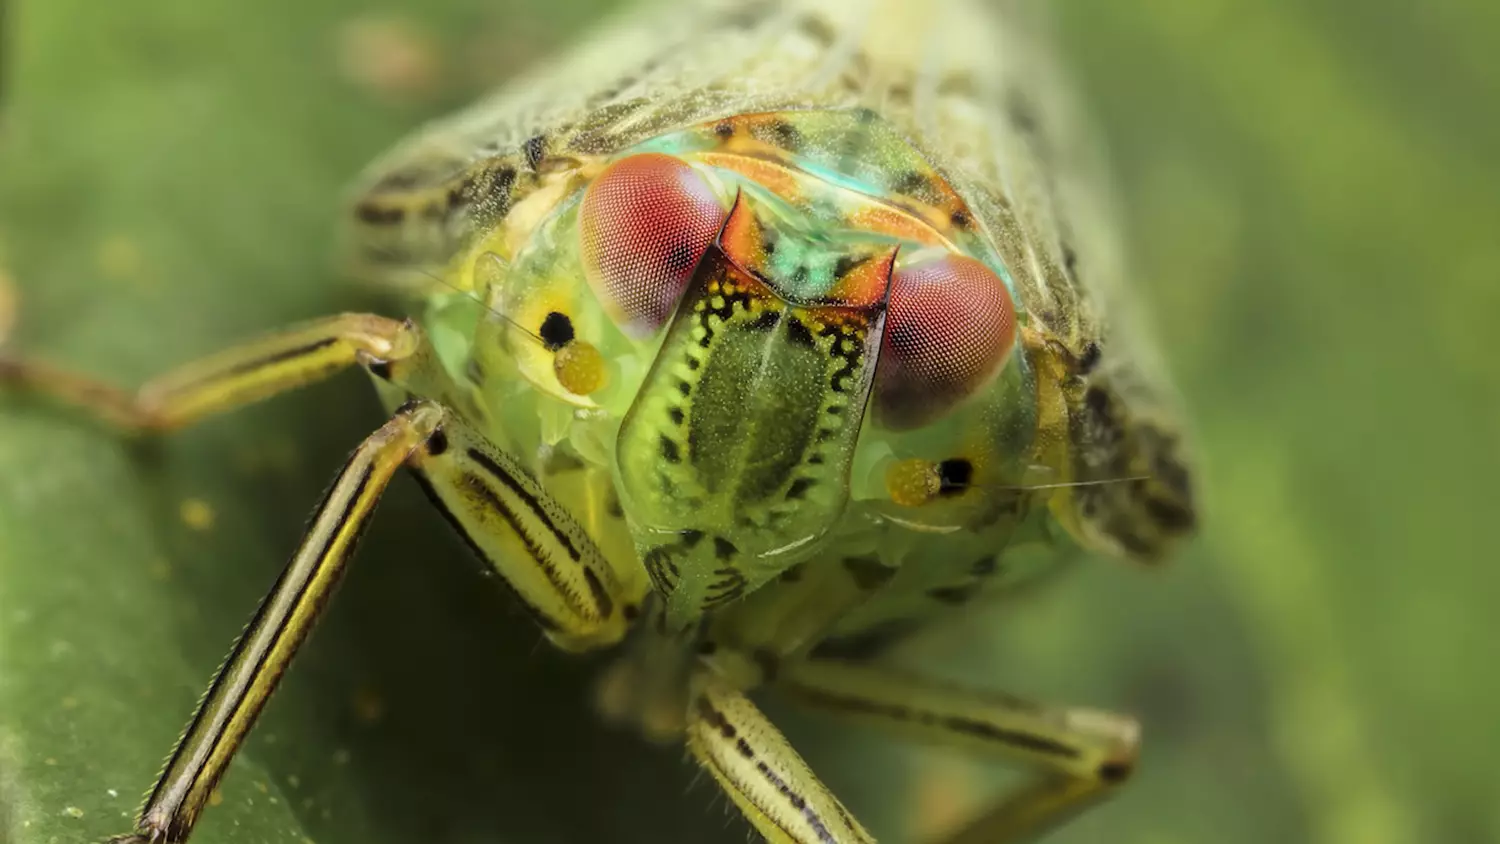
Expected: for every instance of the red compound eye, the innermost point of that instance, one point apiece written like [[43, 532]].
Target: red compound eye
[[949, 327], [645, 222]]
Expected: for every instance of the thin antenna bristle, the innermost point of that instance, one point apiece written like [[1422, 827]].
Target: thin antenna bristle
[[1070, 484], [473, 296]]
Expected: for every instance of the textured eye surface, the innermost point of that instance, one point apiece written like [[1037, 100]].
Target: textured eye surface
[[645, 222], [948, 329]]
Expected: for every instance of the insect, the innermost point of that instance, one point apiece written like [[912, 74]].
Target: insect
[[746, 338]]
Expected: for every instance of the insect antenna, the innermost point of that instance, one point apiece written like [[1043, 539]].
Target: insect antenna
[[1064, 484], [473, 296], [470, 294]]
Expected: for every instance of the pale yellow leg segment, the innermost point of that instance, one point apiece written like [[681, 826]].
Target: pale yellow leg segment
[[279, 627], [530, 539], [780, 796], [224, 381], [1084, 753]]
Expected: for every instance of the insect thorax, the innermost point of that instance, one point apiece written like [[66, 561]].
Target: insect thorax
[[734, 438]]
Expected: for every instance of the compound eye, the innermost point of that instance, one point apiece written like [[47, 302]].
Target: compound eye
[[645, 223], [949, 327]]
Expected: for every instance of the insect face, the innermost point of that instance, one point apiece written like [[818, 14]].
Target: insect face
[[749, 311]]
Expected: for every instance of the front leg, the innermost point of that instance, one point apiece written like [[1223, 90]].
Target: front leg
[[287, 615]]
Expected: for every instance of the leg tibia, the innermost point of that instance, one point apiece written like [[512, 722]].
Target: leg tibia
[[284, 619]]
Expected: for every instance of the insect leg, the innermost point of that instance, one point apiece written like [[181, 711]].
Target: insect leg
[[282, 623], [753, 763], [1084, 753], [581, 599], [224, 381]]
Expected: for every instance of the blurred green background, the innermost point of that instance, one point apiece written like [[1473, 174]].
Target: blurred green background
[[1311, 194]]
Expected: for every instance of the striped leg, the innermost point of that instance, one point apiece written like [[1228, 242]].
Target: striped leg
[[753, 763], [230, 379], [1084, 753], [523, 533], [286, 616]]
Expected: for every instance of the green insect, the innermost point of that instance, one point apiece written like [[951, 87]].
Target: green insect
[[746, 337]]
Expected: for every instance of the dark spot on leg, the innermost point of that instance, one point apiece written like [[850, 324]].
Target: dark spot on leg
[[437, 443]]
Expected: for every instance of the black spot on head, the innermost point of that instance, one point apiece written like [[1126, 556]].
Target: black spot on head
[[690, 538], [961, 218], [684, 387], [954, 476], [676, 415], [798, 489], [556, 331], [724, 129], [670, 451], [724, 549]]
